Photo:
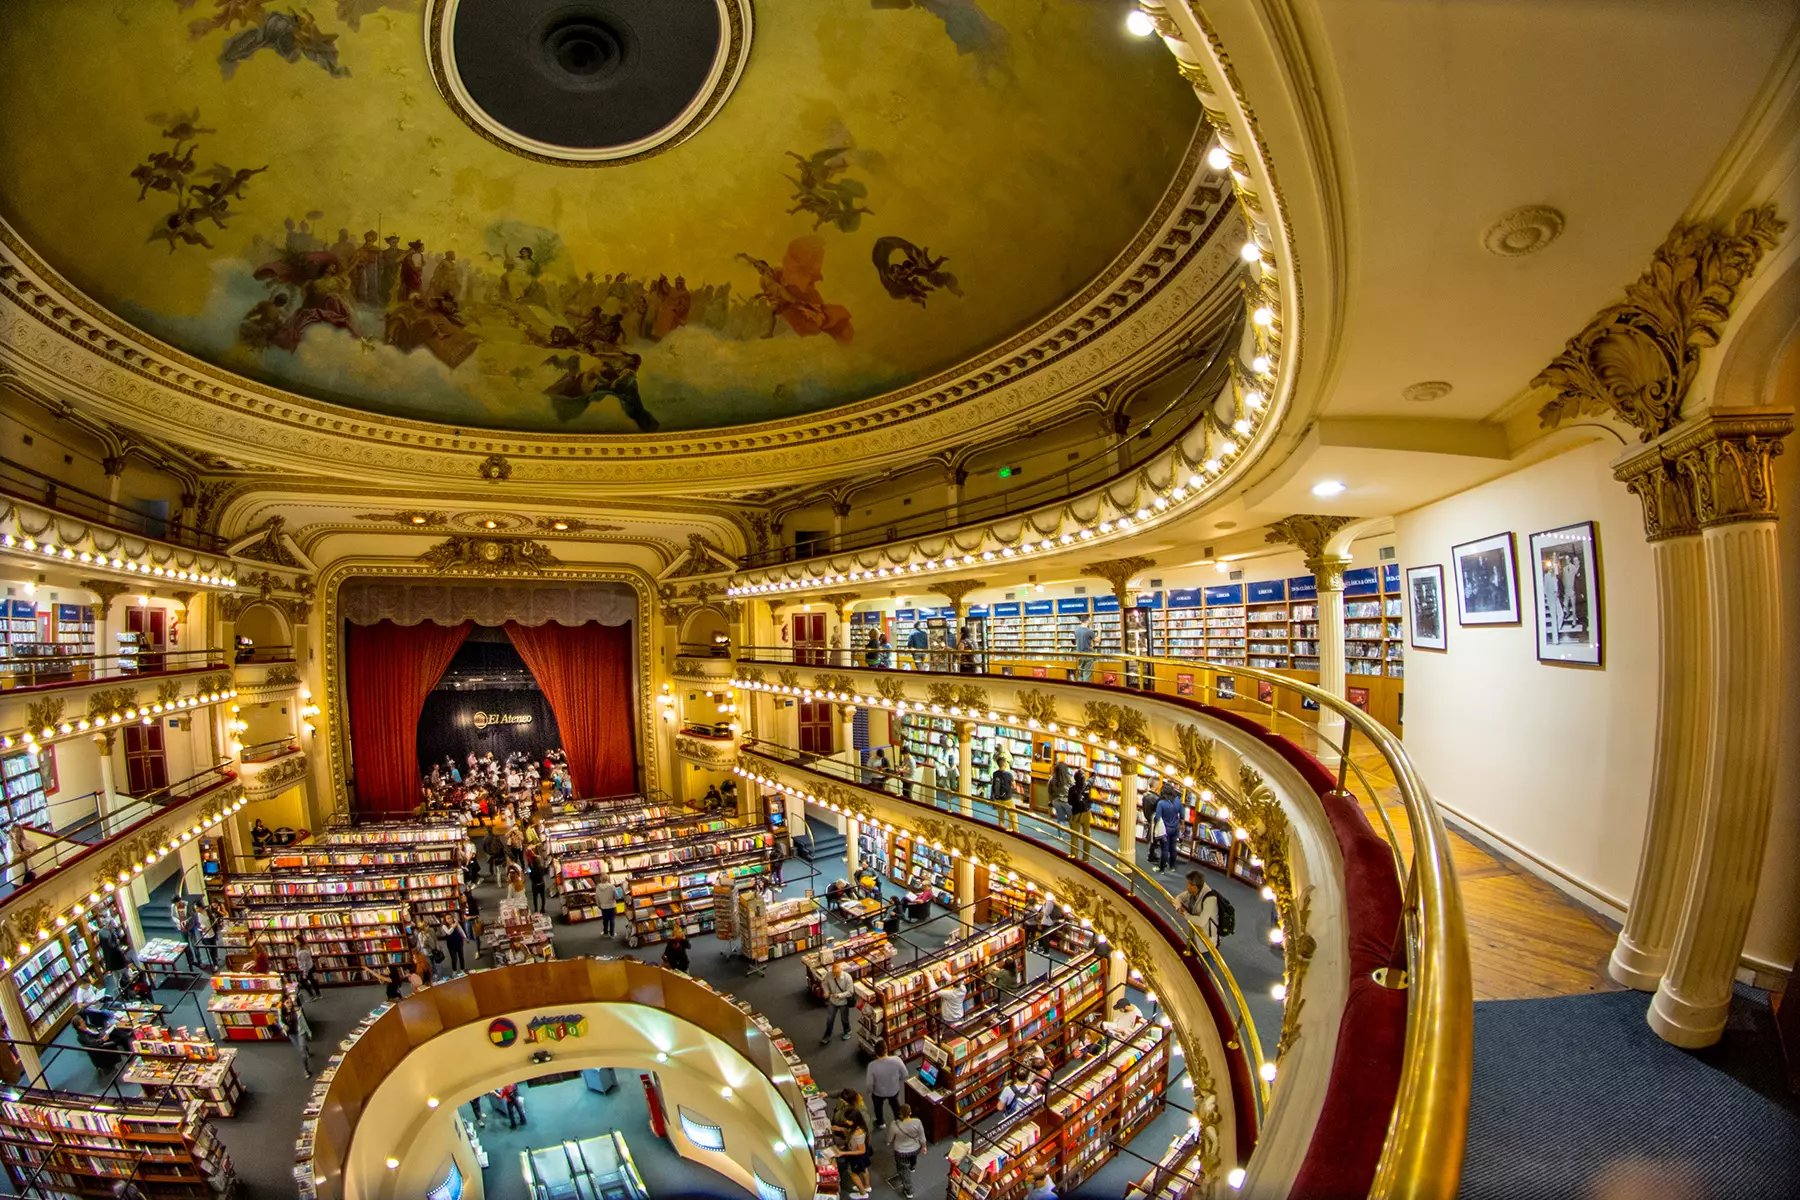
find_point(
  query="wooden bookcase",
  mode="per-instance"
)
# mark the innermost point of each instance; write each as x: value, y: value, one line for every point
x: 60, y: 1144
x: 899, y: 1005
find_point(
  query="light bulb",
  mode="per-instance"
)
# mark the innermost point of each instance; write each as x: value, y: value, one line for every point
x: 1278, y: 992
x: 1328, y: 487
x: 1235, y: 1177
x: 1250, y: 252
x: 1267, y: 1071
x: 1218, y: 158
x: 1139, y: 24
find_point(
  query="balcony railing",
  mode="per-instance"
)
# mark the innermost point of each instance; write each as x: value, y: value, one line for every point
x: 53, y: 852
x: 1174, y: 420
x: 269, y: 751
x: 66, y: 670
x: 1422, y: 1155
x: 29, y: 483
x: 263, y: 654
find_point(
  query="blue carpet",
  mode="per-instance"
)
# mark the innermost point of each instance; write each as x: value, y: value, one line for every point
x: 1575, y: 1096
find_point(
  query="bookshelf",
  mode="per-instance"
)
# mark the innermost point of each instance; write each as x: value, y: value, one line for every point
x: 247, y: 1006
x: 1266, y: 624
x: 1184, y: 623
x: 328, y: 857
x: 27, y: 798
x: 915, y: 866
x: 1107, y: 639
x: 387, y: 833
x: 1178, y: 1174
x: 61, y: 1144
x: 1069, y: 611
x: 1006, y: 629
x: 973, y: 1059
x: 183, y: 1067
x: 872, y: 844
x: 428, y: 891
x: 46, y: 978
x: 777, y: 930
x: 1017, y: 745
x: 899, y: 1005
x: 1303, y: 623
x: 1039, y: 629
x: 1227, y: 634
x: 1007, y: 899
x: 669, y: 887
x: 1093, y: 1107
x: 344, y: 941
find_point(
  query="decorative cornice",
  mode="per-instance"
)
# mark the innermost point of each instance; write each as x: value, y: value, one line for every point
x: 1309, y: 531
x: 1118, y: 571
x: 490, y: 556
x: 1714, y: 470
x: 1637, y: 358
x: 956, y: 591
x: 105, y: 590
x: 418, y: 518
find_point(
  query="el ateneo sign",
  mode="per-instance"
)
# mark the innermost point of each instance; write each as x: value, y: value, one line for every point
x: 486, y: 720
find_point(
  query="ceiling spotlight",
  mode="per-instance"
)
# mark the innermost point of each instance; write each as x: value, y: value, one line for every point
x: 1218, y: 158
x: 1328, y: 487
x: 1250, y: 252
x: 1139, y: 24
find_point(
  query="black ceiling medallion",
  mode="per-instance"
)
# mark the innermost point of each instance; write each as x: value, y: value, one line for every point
x: 587, y: 82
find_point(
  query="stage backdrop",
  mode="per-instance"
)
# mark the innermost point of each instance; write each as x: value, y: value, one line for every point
x: 483, y: 720
x: 585, y: 672
x: 389, y: 670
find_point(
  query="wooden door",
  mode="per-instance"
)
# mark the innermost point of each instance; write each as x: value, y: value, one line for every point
x: 809, y: 639
x: 816, y: 728
x: 146, y: 768
x: 154, y: 624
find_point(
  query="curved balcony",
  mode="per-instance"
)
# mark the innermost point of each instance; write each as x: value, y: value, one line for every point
x: 271, y: 768
x: 707, y: 750
x: 1384, y: 1087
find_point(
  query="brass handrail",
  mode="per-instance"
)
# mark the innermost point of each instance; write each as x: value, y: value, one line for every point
x: 1202, y: 947
x: 1422, y: 1155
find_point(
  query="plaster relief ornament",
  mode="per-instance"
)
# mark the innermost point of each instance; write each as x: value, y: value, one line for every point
x: 1637, y: 358
x: 490, y: 556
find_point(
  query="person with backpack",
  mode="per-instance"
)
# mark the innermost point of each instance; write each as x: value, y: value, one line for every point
x: 1203, y: 906
x: 1000, y: 791
x: 1081, y: 816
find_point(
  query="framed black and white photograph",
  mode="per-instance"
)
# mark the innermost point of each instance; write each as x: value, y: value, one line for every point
x: 1565, y: 567
x: 1487, y: 581
x: 1425, y: 603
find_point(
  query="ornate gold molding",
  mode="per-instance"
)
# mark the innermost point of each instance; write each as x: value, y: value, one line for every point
x: 1116, y: 723
x: 1714, y: 470
x: 108, y: 701
x: 965, y: 696
x: 1037, y: 706
x: 416, y: 518
x: 966, y: 842
x: 1198, y: 759
x: 44, y: 714
x: 1309, y: 531
x: 490, y: 556
x: 1637, y: 358
x: 889, y: 688
x: 1118, y: 571
x: 834, y: 683
x: 957, y: 590
x: 1260, y: 814
x: 105, y: 590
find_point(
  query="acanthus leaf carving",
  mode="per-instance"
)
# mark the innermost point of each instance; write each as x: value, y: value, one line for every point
x: 490, y: 555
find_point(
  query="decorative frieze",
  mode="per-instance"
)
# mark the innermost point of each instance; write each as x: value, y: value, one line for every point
x: 1714, y: 470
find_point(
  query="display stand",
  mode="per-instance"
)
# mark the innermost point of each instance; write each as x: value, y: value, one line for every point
x: 862, y: 954
x: 185, y: 1067
x: 1178, y: 1174
x: 768, y: 931
x: 674, y: 889
x: 247, y: 1006
x: 522, y: 936
x: 60, y: 1144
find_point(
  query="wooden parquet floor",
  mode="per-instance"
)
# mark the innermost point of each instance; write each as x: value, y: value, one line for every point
x: 1526, y: 939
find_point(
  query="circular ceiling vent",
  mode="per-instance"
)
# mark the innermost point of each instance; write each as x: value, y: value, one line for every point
x: 587, y: 82
x: 1424, y: 393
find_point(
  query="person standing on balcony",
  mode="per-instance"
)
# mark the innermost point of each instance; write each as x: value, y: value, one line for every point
x: 18, y: 859
x: 1201, y: 905
x: 916, y: 644
x: 1083, y: 636
x: 965, y: 651
x: 1059, y: 792
x: 1169, y: 816
x: 1081, y: 816
x: 1000, y: 791
x: 207, y: 932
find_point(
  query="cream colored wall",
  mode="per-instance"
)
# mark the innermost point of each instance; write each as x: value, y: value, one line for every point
x: 1552, y: 760
x: 1774, y: 936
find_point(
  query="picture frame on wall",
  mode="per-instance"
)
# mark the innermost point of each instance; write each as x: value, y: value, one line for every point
x: 1487, y: 581
x: 1565, y: 577
x: 1425, y: 607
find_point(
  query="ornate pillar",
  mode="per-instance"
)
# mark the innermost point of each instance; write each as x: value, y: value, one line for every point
x: 1312, y: 534
x: 1118, y: 974
x: 955, y: 591
x: 959, y: 475
x: 965, y: 767
x: 104, y: 591
x: 1328, y: 575
x: 114, y: 466
x: 852, y: 853
x: 1128, y: 809
x: 19, y: 1025
x: 109, y: 791
x: 1725, y: 459
x: 963, y: 873
x: 1672, y: 832
x: 840, y: 511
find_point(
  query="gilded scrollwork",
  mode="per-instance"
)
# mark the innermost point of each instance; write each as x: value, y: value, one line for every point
x: 107, y: 701
x: 1260, y: 814
x: 1198, y: 759
x: 1117, y: 723
x: 834, y: 683
x: 44, y: 714
x: 1637, y: 358
x: 1038, y: 706
x: 281, y: 675
x: 891, y: 689
x: 964, y: 840
x: 489, y: 555
x: 788, y: 679
x: 1309, y: 531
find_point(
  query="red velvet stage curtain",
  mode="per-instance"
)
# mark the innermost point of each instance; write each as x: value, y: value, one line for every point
x: 585, y: 673
x: 391, y: 669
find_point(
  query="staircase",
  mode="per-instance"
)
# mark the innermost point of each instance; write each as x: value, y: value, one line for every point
x: 821, y: 842
x: 154, y: 916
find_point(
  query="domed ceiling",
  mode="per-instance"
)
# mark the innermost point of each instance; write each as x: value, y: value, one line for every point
x: 891, y: 187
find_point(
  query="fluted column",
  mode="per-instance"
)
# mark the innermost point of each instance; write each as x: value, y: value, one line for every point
x: 1726, y: 461
x: 965, y: 767
x: 109, y: 789
x: 852, y: 852
x: 1672, y: 832
x: 1128, y: 809
x: 1328, y: 574
x: 963, y: 873
x: 19, y: 1025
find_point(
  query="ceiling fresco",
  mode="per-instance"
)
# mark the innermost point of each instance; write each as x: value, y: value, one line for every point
x: 894, y: 186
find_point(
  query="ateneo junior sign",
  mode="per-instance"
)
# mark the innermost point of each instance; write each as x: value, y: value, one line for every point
x: 484, y: 720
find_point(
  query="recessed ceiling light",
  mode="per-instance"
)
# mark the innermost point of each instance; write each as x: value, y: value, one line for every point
x: 1139, y: 23
x: 1328, y: 487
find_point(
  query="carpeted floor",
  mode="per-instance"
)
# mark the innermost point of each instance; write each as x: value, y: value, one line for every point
x: 1575, y: 1096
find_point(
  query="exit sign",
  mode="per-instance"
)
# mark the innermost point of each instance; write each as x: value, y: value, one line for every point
x: 1011, y: 472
